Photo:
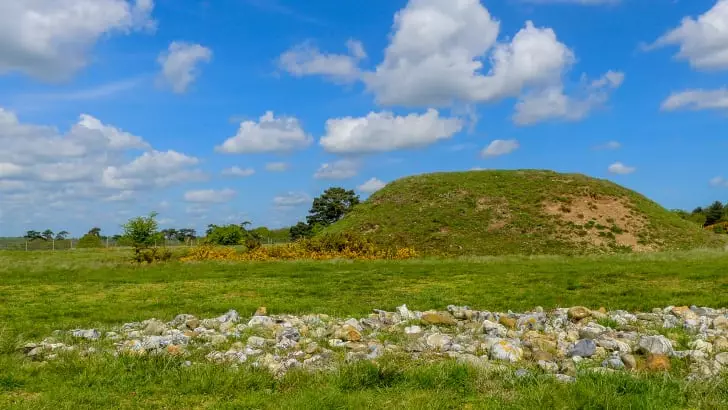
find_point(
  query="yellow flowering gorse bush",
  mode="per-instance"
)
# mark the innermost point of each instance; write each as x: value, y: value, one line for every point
x: 325, y: 247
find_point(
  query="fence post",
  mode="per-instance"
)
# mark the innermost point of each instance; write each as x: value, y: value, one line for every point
x: 54, y: 244
x: 26, y: 246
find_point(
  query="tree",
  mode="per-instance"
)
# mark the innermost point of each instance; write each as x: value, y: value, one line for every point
x: 227, y: 235
x: 169, y: 234
x: 714, y: 213
x: 301, y: 230
x: 186, y: 235
x: 33, y: 235
x: 142, y: 231
x: 331, y: 206
x: 92, y: 239
x: 60, y: 236
x: 47, y: 235
x: 95, y: 232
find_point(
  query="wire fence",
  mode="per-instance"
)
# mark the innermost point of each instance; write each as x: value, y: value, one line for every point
x: 22, y: 244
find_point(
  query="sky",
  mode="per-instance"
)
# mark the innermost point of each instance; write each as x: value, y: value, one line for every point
x: 244, y: 110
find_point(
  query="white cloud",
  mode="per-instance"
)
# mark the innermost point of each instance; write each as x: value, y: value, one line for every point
x: 380, y: 132
x: 180, y: 64
x: 579, y: 2
x: 372, y: 185
x: 210, y: 196
x: 697, y: 100
x: 703, y: 41
x: 238, y: 172
x: 8, y: 169
x: 51, y: 39
x: 91, y: 163
x: 719, y: 182
x: 291, y: 199
x: 153, y: 169
x: 554, y: 103
x: 500, y: 147
x: 269, y: 134
x: 609, y: 145
x: 276, y: 166
x: 341, y: 169
x: 621, y: 169
x: 305, y: 59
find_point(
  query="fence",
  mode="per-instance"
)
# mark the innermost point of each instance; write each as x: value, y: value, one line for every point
x: 22, y: 244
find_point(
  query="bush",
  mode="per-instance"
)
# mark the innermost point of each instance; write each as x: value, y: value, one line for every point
x: 324, y: 247
x: 228, y: 235
x: 142, y: 233
x: 89, y: 241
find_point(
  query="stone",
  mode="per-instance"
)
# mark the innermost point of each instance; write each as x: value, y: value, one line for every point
x: 261, y: 321
x: 658, y: 362
x: 701, y: 345
x: 720, y: 344
x: 290, y: 333
x: 630, y: 363
x: 722, y: 358
x: 548, y: 366
x: 218, y: 339
x: 112, y: 336
x: 438, y: 318
x: 90, y: 334
x: 256, y: 341
x: 659, y: 345
x: 155, y: 328
x: 174, y: 350
x: 706, y: 370
x: 348, y: 333
x: 522, y: 373
x: 508, y: 322
x: 532, y: 321
x: 614, y: 345
x: 405, y: 313
x: 540, y: 355
x: 192, y: 324
x: 613, y: 362
x: 230, y: 316
x: 578, y: 313
x: 683, y: 312
x: 564, y: 378
x: 591, y: 331
x: 506, y: 351
x: 261, y: 311
x: 583, y: 348
x: 439, y: 341
x: 210, y: 324
x: 720, y: 323
x: 412, y: 330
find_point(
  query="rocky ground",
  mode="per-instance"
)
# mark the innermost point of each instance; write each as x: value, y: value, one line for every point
x: 556, y: 343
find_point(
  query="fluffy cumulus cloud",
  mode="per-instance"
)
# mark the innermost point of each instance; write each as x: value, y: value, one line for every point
x: 277, y: 166
x: 210, y: 196
x: 719, y: 182
x: 500, y: 147
x: 697, y: 100
x: 291, y: 199
x: 268, y: 134
x: 443, y: 52
x: 238, y: 172
x: 180, y: 64
x: 51, y: 39
x: 306, y: 59
x: 621, y: 169
x: 703, y: 41
x: 92, y: 161
x: 554, y: 103
x: 372, y: 185
x: 341, y: 169
x: 384, y: 131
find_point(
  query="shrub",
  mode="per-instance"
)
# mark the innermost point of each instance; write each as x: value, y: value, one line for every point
x: 89, y: 241
x: 142, y: 233
x: 227, y: 235
x: 324, y: 247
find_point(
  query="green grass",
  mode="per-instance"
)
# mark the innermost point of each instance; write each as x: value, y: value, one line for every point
x: 503, y: 213
x: 44, y: 291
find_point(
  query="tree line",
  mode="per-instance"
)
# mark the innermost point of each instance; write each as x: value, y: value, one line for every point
x: 713, y: 214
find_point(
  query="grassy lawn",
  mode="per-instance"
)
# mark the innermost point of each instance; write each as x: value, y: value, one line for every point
x: 44, y: 291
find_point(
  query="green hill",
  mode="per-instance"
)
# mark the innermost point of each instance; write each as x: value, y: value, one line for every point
x: 518, y: 212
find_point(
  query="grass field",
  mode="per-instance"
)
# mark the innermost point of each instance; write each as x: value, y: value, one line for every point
x: 44, y: 291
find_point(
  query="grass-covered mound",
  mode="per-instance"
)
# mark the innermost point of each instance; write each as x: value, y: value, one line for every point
x: 518, y: 212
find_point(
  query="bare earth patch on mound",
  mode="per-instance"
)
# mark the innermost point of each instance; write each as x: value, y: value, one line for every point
x: 600, y: 221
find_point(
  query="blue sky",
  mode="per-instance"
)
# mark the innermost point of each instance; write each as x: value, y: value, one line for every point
x: 230, y: 110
